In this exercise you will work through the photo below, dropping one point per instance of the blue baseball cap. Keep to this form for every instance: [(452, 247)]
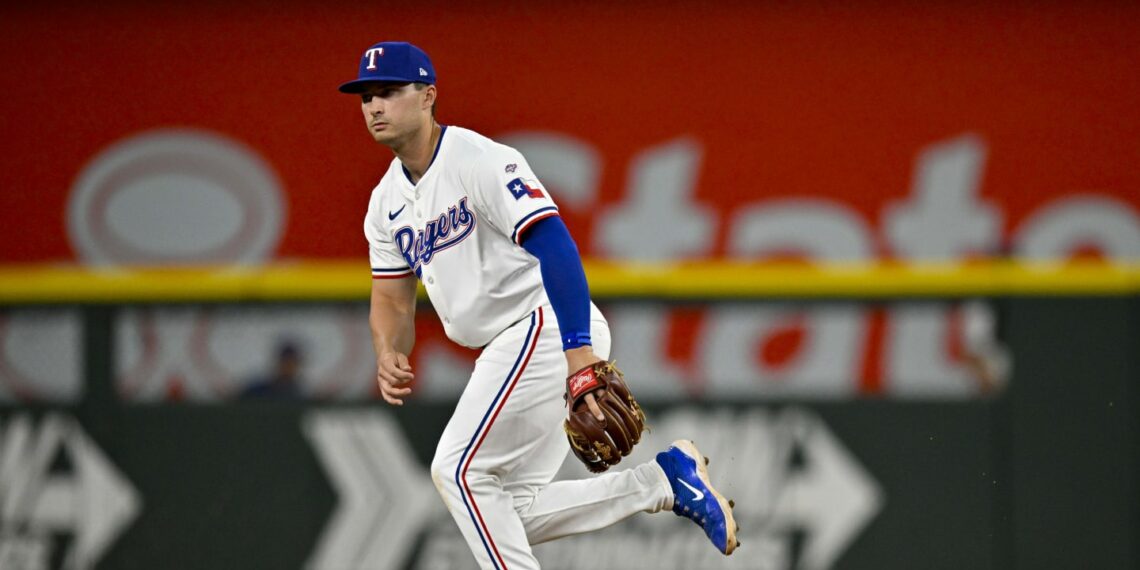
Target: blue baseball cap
[(392, 61)]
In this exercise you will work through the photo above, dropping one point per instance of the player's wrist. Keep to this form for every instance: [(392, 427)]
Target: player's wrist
[(388, 354), (580, 357)]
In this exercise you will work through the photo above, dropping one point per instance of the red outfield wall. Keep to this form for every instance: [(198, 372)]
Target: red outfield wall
[(753, 104)]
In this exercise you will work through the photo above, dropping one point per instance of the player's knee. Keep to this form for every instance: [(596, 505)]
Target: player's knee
[(443, 474), (448, 478)]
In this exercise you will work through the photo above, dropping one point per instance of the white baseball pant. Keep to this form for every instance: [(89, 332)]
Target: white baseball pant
[(503, 445)]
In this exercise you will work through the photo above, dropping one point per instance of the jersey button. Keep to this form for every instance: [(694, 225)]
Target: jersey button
[(447, 320), (431, 280), (418, 214)]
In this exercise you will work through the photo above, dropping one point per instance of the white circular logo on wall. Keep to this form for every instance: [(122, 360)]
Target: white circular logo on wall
[(173, 197)]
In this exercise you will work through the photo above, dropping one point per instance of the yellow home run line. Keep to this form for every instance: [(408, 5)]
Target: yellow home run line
[(336, 281)]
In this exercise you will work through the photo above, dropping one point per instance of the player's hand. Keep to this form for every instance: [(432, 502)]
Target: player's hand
[(392, 372), (600, 443), (577, 359)]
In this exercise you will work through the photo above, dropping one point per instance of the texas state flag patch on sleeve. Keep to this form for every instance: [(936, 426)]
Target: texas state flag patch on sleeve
[(520, 187)]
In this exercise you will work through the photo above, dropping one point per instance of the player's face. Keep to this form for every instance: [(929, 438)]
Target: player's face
[(393, 111)]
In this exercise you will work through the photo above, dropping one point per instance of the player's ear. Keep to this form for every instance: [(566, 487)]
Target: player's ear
[(429, 97)]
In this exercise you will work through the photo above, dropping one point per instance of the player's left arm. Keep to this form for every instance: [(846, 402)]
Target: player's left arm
[(612, 422), (549, 241), (515, 203)]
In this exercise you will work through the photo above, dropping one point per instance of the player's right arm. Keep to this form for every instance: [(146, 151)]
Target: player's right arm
[(391, 318), (391, 314)]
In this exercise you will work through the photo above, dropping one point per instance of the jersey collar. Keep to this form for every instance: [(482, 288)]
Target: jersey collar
[(438, 144)]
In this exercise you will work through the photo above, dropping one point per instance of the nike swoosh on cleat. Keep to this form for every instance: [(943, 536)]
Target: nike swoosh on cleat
[(698, 495), (392, 215)]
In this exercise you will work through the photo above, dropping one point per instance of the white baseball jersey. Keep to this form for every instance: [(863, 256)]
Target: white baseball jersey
[(457, 230)]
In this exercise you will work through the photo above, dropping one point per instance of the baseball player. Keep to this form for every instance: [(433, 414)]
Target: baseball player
[(467, 218)]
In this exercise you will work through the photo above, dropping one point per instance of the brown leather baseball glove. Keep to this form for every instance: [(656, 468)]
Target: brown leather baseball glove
[(600, 444)]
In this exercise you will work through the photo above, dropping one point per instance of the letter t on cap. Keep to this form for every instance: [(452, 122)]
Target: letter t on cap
[(372, 53)]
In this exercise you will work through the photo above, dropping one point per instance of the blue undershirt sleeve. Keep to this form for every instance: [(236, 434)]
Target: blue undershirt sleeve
[(563, 277)]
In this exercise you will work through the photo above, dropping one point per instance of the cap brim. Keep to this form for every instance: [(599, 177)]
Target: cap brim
[(357, 86)]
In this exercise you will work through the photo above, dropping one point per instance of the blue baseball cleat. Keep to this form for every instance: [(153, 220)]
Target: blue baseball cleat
[(694, 496)]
